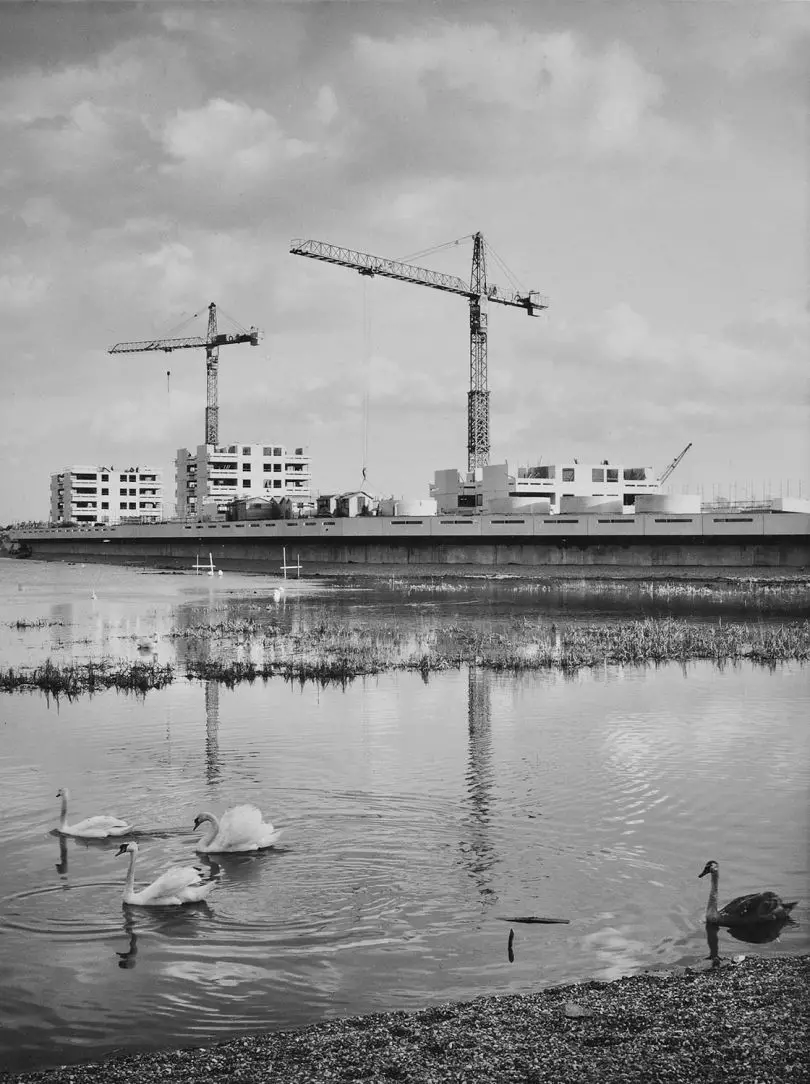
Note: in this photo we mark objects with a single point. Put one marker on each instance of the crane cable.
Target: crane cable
(434, 249)
(366, 373)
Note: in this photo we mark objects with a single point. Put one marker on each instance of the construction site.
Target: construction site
(242, 503)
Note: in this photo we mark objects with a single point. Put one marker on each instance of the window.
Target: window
(122, 478)
(277, 451)
(105, 477)
(105, 504)
(122, 504)
(232, 449)
(105, 492)
(267, 451)
(122, 493)
(540, 472)
(245, 483)
(613, 474)
(132, 477)
(246, 466)
(628, 500)
(277, 484)
(132, 493)
(634, 474)
(568, 474)
(132, 504)
(277, 467)
(245, 450)
(598, 474)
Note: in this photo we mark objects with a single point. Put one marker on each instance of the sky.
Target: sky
(645, 166)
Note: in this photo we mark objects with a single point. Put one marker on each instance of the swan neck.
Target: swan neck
(711, 906)
(129, 884)
(213, 820)
(63, 821)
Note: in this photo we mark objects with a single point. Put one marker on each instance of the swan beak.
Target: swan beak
(122, 849)
(196, 822)
(706, 869)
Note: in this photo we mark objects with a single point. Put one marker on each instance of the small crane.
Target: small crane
(674, 464)
(479, 293)
(212, 342)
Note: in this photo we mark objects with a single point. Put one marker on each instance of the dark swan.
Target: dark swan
(751, 910)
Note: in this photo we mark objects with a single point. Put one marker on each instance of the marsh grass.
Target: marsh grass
(77, 678)
(331, 652)
(38, 623)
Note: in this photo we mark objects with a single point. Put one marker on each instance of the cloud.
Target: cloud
(230, 142)
(20, 287)
(554, 89)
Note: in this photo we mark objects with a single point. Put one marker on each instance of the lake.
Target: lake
(417, 814)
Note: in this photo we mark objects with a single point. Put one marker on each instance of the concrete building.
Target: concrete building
(86, 494)
(551, 488)
(213, 476)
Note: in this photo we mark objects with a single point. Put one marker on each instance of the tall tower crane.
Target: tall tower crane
(479, 293)
(212, 342)
(673, 464)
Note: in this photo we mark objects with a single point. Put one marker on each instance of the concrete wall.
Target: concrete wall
(709, 542)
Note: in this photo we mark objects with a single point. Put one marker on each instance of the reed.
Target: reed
(332, 652)
(74, 679)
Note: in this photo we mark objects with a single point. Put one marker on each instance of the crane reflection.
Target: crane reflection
(477, 848)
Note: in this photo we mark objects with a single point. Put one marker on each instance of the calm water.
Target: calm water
(416, 815)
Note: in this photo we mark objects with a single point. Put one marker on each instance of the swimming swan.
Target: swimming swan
(750, 910)
(178, 885)
(92, 827)
(240, 829)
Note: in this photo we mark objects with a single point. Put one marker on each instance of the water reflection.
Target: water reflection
(760, 933)
(212, 769)
(62, 864)
(126, 960)
(479, 853)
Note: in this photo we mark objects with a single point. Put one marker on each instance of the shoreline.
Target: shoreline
(743, 1021)
(742, 576)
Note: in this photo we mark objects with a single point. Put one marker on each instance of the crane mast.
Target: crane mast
(212, 342)
(212, 379)
(479, 293)
(478, 395)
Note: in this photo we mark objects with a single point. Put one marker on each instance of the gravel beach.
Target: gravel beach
(746, 1021)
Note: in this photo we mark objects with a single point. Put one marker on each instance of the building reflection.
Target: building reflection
(479, 853)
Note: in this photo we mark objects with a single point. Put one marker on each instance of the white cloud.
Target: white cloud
(229, 141)
(20, 287)
(584, 100)
(326, 105)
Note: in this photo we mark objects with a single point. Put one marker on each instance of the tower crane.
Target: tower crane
(674, 464)
(479, 293)
(212, 342)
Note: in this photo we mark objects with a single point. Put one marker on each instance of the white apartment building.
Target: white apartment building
(213, 476)
(85, 494)
(543, 488)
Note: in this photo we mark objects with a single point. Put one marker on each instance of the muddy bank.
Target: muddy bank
(745, 1021)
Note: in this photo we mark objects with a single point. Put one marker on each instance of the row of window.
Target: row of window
(267, 468)
(598, 474)
(85, 477)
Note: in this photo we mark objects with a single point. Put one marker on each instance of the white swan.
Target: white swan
(178, 885)
(92, 827)
(239, 829)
